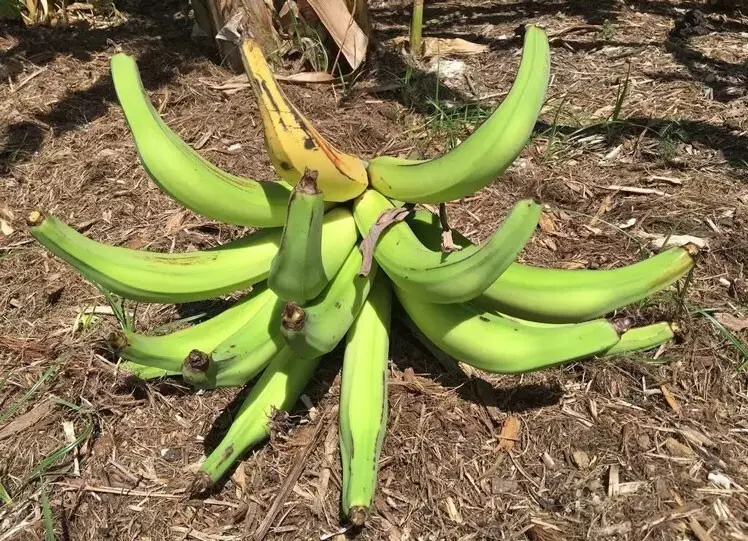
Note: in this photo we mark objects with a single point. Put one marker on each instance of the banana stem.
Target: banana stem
(416, 29)
(385, 219)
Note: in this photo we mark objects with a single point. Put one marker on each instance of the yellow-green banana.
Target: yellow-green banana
(435, 276)
(567, 295)
(278, 388)
(363, 401)
(487, 152)
(297, 273)
(167, 351)
(292, 142)
(185, 175)
(241, 356)
(180, 277)
(317, 327)
(496, 344)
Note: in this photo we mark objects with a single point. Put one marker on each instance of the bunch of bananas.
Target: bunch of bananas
(311, 282)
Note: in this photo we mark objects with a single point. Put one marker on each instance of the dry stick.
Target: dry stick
(139, 493)
(448, 244)
(290, 480)
(386, 219)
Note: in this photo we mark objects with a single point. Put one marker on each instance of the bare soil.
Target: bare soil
(627, 448)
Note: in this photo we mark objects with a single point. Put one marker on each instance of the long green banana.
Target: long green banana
(278, 388)
(316, 328)
(435, 276)
(363, 401)
(182, 277)
(501, 345)
(241, 356)
(297, 273)
(167, 351)
(565, 295)
(185, 175)
(487, 152)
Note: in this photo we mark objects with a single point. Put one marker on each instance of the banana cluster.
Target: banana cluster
(310, 283)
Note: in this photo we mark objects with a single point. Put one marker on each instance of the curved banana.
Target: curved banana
(182, 277)
(167, 351)
(363, 401)
(487, 152)
(241, 356)
(297, 273)
(316, 328)
(438, 277)
(644, 338)
(567, 295)
(278, 388)
(501, 345)
(185, 175)
(292, 142)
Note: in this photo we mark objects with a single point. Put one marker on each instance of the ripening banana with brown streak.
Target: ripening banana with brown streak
(363, 400)
(292, 142)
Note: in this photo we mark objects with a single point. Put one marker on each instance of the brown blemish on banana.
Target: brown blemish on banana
(197, 361)
(272, 101)
(294, 317)
(226, 454)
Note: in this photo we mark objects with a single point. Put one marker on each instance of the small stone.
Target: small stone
(171, 455)
(581, 459)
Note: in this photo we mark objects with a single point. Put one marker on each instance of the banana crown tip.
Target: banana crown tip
(293, 317)
(34, 218)
(358, 516)
(622, 325)
(692, 249)
(201, 484)
(308, 183)
(676, 328)
(118, 340)
(197, 361)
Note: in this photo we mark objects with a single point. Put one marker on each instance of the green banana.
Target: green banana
(496, 344)
(278, 388)
(487, 152)
(167, 351)
(183, 277)
(435, 276)
(316, 328)
(185, 175)
(363, 401)
(297, 273)
(144, 372)
(644, 338)
(241, 356)
(566, 295)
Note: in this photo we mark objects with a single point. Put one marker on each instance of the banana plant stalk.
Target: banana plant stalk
(416, 28)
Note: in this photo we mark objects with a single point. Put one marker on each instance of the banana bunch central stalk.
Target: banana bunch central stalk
(337, 245)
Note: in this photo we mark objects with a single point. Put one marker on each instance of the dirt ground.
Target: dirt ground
(626, 448)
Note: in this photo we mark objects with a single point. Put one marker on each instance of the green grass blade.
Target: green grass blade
(738, 344)
(59, 453)
(4, 496)
(49, 525)
(25, 398)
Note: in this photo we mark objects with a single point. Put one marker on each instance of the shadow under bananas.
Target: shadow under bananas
(162, 47)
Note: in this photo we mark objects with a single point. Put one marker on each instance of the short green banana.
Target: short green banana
(487, 152)
(564, 295)
(435, 276)
(644, 338)
(182, 277)
(297, 273)
(316, 328)
(363, 401)
(278, 388)
(185, 175)
(501, 345)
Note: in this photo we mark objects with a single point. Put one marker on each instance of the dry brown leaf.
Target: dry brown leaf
(732, 323)
(344, 30)
(509, 433)
(581, 459)
(677, 448)
(635, 190)
(307, 77)
(27, 420)
(547, 223)
(669, 398)
(6, 228)
(451, 46)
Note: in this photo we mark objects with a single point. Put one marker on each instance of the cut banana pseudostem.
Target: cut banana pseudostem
(167, 351)
(363, 401)
(182, 277)
(297, 273)
(487, 152)
(185, 175)
(316, 328)
(567, 295)
(292, 142)
(278, 388)
(241, 356)
(435, 276)
(496, 344)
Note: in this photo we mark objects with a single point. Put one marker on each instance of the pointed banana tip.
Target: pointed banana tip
(676, 328)
(692, 249)
(308, 183)
(623, 324)
(34, 218)
(294, 317)
(358, 515)
(197, 361)
(201, 483)
(118, 340)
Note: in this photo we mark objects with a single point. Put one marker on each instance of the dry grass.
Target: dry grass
(622, 449)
